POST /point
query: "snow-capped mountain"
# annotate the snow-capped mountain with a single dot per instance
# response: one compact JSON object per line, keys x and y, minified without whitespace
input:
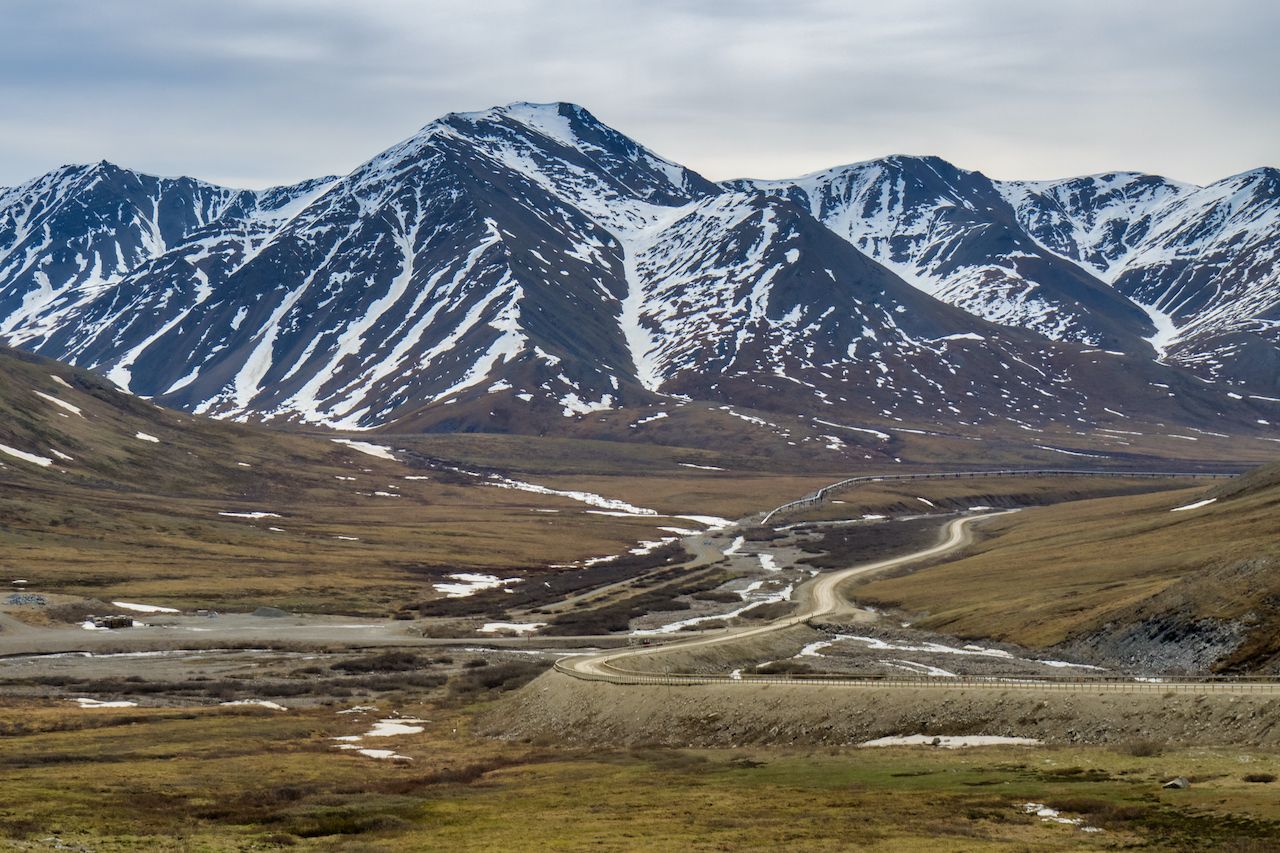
{"x":1108,"y":260}
{"x":1204,"y":262}
{"x":953,"y":235}
{"x":512,"y":268}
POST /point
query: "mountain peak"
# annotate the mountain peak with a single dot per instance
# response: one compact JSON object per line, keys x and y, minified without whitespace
{"x":561,"y":121}
{"x":555,"y":119}
{"x":529,"y":258}
{"x":1268,"y":174}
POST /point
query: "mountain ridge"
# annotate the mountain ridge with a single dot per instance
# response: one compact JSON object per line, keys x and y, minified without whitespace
{"x":531,"y":255}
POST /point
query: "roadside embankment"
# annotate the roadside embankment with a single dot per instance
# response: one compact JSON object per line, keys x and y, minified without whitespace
{"x":561,"y":709}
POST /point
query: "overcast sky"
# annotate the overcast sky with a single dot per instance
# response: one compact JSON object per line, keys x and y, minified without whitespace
{"x":256,"y":92}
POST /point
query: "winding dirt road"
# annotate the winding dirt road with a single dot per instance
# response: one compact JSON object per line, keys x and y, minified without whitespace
{"x":823,"y":599}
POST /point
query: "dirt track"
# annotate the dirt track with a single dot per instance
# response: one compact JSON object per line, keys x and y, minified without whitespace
{"x":581,"y":705}
{"x":822,"y":597}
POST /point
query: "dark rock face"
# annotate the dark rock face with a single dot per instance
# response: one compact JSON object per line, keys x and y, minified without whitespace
{"x":517,"y":267}
{"x":1164,"y":644}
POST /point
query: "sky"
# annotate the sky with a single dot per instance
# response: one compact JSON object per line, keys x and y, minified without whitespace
{"x":257,"y":92}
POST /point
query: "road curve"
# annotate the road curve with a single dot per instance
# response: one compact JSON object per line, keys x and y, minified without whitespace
{"x":822,"y":595}
{"x":824,"y":599}
{"x":822,"y":494}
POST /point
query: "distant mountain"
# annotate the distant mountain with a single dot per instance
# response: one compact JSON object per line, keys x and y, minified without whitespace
{"x":953,"y":235}
{"x":525,"y":267}
{"x":1204,"y":262}
{"x":1108,"y":260}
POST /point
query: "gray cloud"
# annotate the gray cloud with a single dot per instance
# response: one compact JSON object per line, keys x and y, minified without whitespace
{"x":253,"y":92}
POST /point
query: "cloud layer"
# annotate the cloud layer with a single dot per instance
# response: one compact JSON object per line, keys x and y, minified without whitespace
{"x":254,"y":92}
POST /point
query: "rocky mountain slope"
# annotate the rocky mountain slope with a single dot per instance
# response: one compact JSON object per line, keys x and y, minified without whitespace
{"x":527,"y":267}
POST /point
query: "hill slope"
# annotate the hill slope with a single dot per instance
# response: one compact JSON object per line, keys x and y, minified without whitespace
{"x":1184,"y":581}
{"x":104,"y":495}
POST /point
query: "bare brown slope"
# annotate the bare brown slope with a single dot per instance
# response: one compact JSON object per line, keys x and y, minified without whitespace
{"x":130,"y":505}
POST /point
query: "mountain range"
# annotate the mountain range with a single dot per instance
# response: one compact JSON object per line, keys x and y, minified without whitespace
{"x":527,"y":267}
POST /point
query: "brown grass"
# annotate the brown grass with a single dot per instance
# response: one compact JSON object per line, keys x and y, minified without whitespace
{"x":1040,"y":575}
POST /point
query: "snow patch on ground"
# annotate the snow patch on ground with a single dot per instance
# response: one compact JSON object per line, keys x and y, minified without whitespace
{"x":712,"y":522}
{"x":62,"y":404}
{"x":1195,"y":505}
{"x":142,"y":436}
{"x":917,"y":668}
{"x":574,"y":405}
{"x":389,"y":728}
{"x":381,"y":754}
{"x":883,"y":436}
{"x":1072,"y":452}
{"x":42,"y":461}
{"x":657,"y":416}
{"x":1166,"y":330}
{"x":259,"y":703}
{"x":144,"y":608}
{"x":86,"y":702}
{"x":382,"y":728}
{"x":813,"y":649}
{"x":469,"y":583}
{"x":927,"y":647}
{"x":367,"y":448}
{"x":516,"y":627}
{"x":755,"y":595}
{"x":582,"y":497}
{"x":1048,"y":815}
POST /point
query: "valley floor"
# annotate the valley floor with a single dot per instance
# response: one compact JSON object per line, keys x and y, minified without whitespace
{"x":243,"y":777}
{"x":445,"y":729}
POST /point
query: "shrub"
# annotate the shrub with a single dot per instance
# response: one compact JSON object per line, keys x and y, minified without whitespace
{"x":1143,"y":748}
{"x":1100,"y":812}
{"x":718,"y":597}
{"x":385,"y":662}
{"x":495,"y":679}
